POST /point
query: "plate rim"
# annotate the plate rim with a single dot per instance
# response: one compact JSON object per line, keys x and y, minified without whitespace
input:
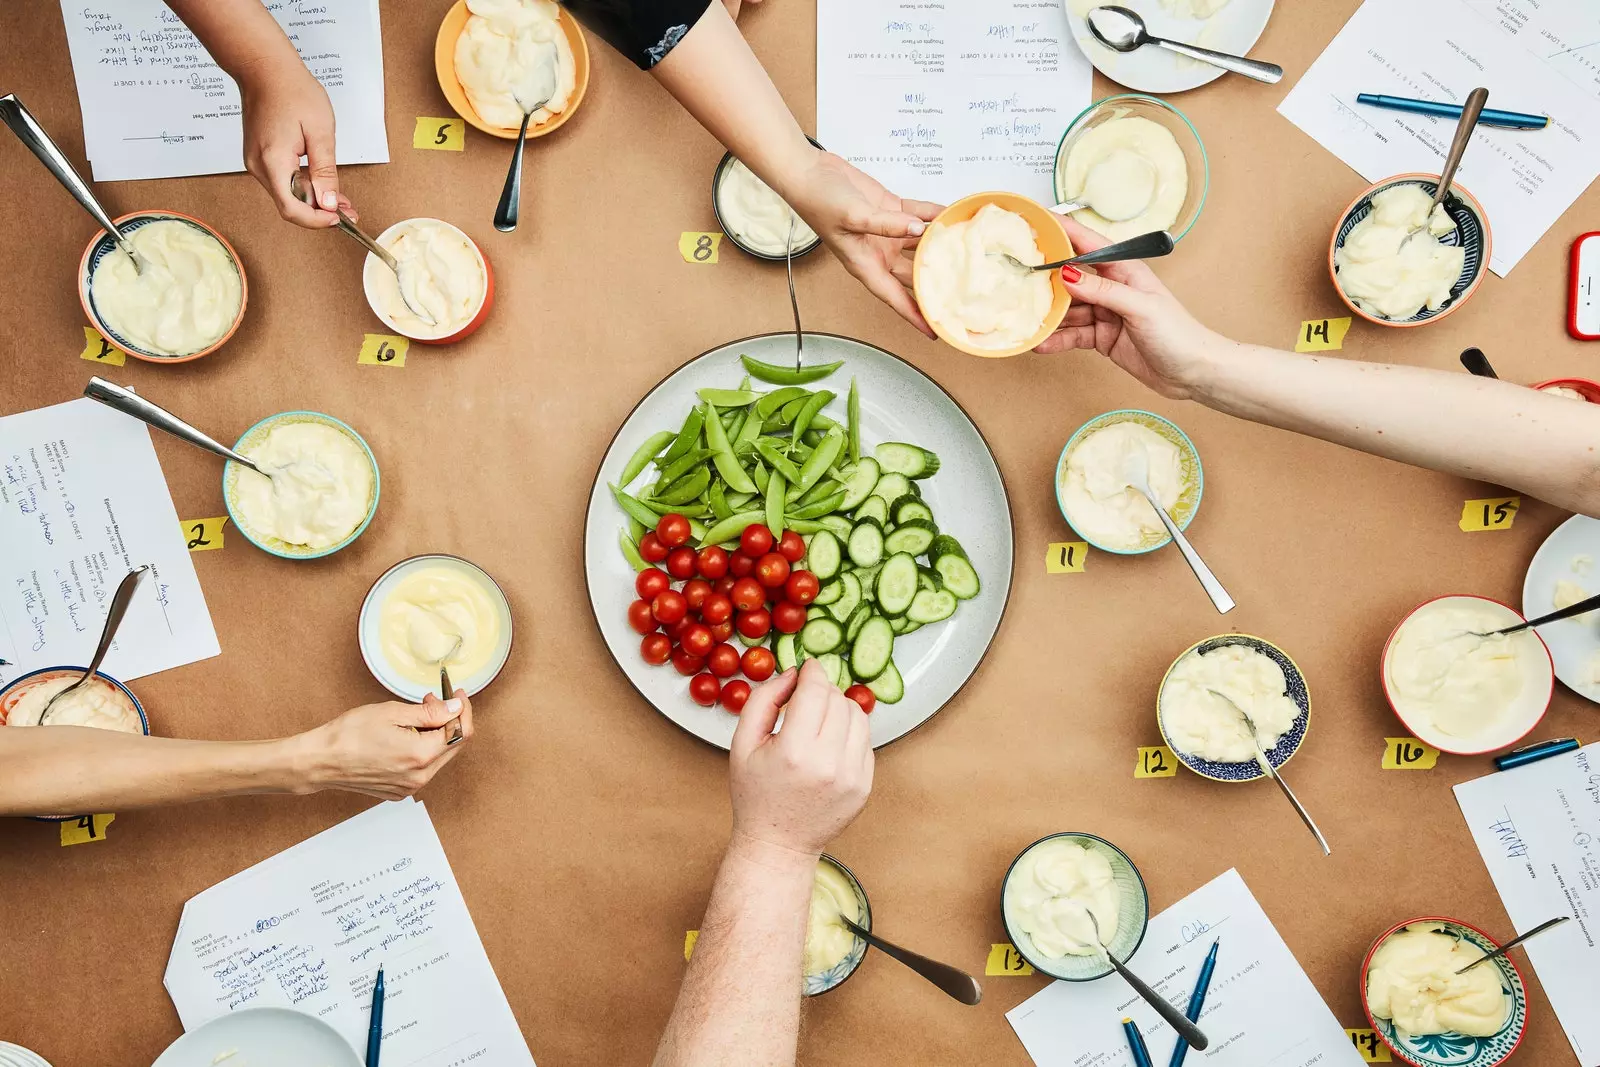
{"x":1527,"y":578}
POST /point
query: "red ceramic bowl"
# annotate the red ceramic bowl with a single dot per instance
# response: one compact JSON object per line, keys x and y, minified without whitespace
{"x":371,"y":267}
{"x":1589,"y":389}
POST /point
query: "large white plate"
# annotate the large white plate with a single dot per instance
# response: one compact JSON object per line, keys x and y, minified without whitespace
{"x":1235,"y":29}
{"x":1573,"y":642}
{"x":898,"y":403}
{"x":261,"y":1037}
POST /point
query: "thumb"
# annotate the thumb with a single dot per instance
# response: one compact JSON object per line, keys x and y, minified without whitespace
{"x":324,"y":171}
{"x":431,"y":714}
{"x":1100,"y":291}
{"x":760,"y":712}
{"x":884,"y":223}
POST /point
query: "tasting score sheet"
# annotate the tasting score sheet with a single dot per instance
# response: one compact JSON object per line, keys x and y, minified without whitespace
{"x":1261,"y":1010}
{"x":937,"y":99}
{"x":308,"y":928}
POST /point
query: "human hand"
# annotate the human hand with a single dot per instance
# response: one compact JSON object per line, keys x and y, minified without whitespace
{"x":1126,"y":313}
{"x":872,"y":231}
{"x":798,"y":788}
{"x":287,"y":115}
{"x":387,"y":750}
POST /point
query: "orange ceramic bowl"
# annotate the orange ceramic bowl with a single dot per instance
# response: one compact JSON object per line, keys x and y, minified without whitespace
{"x":371,"y":267}
{"x":101,"y":243}
{"x":1589,"y":389}
{"x":1053,"y":242}
{"x":444,"y":67}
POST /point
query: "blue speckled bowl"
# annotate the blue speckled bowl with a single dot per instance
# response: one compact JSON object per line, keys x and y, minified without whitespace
{"x":1132,"y":920}
{"x":1194,"y":475}
{"x":817,"y":984}
{"x":1288,"y":744}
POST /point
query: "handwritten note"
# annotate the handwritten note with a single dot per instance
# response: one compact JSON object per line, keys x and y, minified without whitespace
{"x":1155,"y":761}
{"x":1408,"y":754}
{"x":203,"y":535}
{"x":96,"y":349}
{"x":85,"y":828}
{"x":699,"y":247}
{"x":1371,"y":1048}
{"x":1005,"y":961}
{"x":383,"y":350}
{"x":690,"y":939}
{"x":1065,"y":557}
{"x":439,"y":135}
{"x":1322,"y":335}
{"x":1495,"y":513}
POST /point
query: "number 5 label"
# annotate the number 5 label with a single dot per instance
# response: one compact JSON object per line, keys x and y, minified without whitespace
{"x":440,"y":135}
{"x":1496,"y":513}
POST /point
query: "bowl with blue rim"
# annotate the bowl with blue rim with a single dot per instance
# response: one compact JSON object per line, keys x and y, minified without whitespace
{"x":835,"y":976}
{"x":1287,"y":745}
{"x":1182,"y":511}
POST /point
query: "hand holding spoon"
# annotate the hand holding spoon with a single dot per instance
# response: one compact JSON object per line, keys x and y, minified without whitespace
{"x":119,"y":607}
{"x":505,"y":214}
{"x":1122,"y":30}
{"x":1150,"y":245}
{"x":1136,"y":473}
{"x":447,"y":690}
{"x":952,"y":980}
{"x":1272,"y":772}
{"x":1187,"y":1031}
{"x":405,"y":271}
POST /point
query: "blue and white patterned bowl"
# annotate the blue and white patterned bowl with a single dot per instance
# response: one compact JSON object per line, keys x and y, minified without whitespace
{"x":1194,"y":476}
{"x":1288,"y":744}
{"x":1452,"y":1049}
{"x":10,"y":693}
{"x":833,"y":978}
{"x":1133,"y":915}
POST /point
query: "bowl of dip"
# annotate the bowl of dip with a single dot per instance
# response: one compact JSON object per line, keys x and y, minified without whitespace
{"x":755,"y":218}
{"x":324,"y":501}
{"x":1138,"y":162}
{"x":1206,"y":733}
{"x":1571,"y":388}
{"x":1046,"y":891}
{"x":446,"y":274}
{"x":833,"y":953}
{"x":186,"y":303}
{"x":1390,"y":281}
{"x":1459,"y":693}
{"x":1106,"y":512}
{"x":104,"y":704}
{"x":480,"y":56}
{"x":1428,"y":1015}
{"x":412,"y":615}
{"x":975,"y":301}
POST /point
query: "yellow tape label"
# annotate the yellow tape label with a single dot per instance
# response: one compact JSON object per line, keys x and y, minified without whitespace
{"x":1004,"y":959}
{"x":689,"y":940}
{"x":1495,"y":513}
{"x":1371,"y":1048}
{"x":1322,"y":335}
{"x":1408,"y":754}
{"x":85,"y":828}
{"x":699,"y":247}
{"x":97,"y":349}
{"x":1156,"y":761}
{"x":203,"y":535}
{"x":383,"y":350}
{"x":439,"y":134}
{"x":1065,"y":557}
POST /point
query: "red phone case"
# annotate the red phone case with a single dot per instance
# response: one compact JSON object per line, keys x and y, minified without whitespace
{"x":1572,"y":288}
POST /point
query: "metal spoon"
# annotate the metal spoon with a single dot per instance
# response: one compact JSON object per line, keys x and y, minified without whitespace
{"x":505,"y":213}
{"x":1187,"y":1030}
{"x":1458,"y":146}
{"x":119,"y":607}
{"x":952,"y":980}
{"x":1122,"y":30}
{"x":794,"y":305}
{"x":1272,"y":772}
{"x":30,"y":133}
{"x":1136,"y":474}
{"x":1581,"y":607}
{"x":1067,"y":207}
{"x":1150,"y":245}
{"x":1476,"y":362}
{"x":1515,"y":941}
{"x":130,"y":403}
{"x":347,"y":226}
{"x":446,"y":690}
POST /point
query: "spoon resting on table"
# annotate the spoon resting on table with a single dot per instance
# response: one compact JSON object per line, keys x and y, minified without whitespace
{"x":952,"y":980}
{"x":1122,"y":30}
{"x":119,"y":607}
{"x":1187,"y":1030}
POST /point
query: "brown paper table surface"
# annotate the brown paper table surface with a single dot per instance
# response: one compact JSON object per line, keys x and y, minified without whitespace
{"x":584,"y":828}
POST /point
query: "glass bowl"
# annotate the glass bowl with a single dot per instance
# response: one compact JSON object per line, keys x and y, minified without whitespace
{"x":1137,"y":105}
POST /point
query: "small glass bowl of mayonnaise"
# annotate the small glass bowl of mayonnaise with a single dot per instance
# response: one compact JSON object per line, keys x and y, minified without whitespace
{"x":1129,"y":902}
{"x":1143,"y":157}
{"x":124,"y":712}
{"x":755,"y":218}
{"x":414,"y":613}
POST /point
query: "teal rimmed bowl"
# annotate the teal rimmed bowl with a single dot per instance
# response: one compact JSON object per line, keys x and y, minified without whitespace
{"x":1133,"y":914}
{"x":1194,"y":476}
{"x":834,"y":977}
{"x":272,"y":545}
{"x":1138,"y":105}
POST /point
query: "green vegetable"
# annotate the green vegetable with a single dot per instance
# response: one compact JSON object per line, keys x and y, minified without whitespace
{"x":636,"y":511}
{"x":718,"y":500}
{"x":722,"y":454}
{"x":804,"y":526}
{"x":729,"y":398}
{"x":636,"y":529}
{"x":818,"y":462}
{"x":779,"y":462}
{"x":802,"y":421}
{"x":688,"y":488}
{"x":688,"y":436}
{"x":775,"y":504}
{"x":817,"y":509}
{"x":683,"y":465}
{"x":730,"y":528}
{"x":769,"y":404}
{"x":758,"y":474}
{"x":630,"y":552}
{"x":853,"y":412}
{"x":644,"y":454}
{"x":775,"y":375}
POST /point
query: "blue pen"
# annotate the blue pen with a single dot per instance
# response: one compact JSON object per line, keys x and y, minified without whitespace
{"x":375,"y":1028}
{"x":1141,"y":1055}
{"x":1533,"y":753}
{"x":1197,"y":1000}
{"x":1510,"y":120}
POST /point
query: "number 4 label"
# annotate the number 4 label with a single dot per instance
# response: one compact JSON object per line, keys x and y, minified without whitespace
{"x":440,"y":135}
{"x":85,"y":828}
{"x":1496,"y":513}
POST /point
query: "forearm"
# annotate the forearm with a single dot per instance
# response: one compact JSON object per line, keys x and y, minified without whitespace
{"x":241,"y":35}
{"x":740,"y":1001}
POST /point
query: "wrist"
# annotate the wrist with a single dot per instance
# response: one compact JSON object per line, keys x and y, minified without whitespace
{"x":797,"y":172}
{"x":302,"y":763}
{"x":756,"y":851}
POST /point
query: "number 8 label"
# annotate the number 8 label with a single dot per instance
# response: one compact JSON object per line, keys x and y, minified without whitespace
{"x":699,"y":247}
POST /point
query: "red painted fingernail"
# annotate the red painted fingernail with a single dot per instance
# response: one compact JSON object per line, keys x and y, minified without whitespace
{"x":1071,"y":275}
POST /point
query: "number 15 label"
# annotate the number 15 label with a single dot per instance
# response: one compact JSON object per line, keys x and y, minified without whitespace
{"x":1496,"y":513}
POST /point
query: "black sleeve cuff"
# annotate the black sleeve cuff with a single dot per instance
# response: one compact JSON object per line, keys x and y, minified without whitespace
{"x":643,"y":30}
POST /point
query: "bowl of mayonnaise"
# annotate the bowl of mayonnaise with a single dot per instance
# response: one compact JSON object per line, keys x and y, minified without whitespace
{"x":833,"y":952}
{"x":756,"y":219}
{"x":1571,"y":388}
{"x":1137,"y":165}
{"x":491,"y":52}
{"x":185,"y":299}
{"x":434,"y":611}
{"x":104,"y":704}
{"x":1049,"y":893}
{"x":321,"y":495}
{"x":444,"y":273}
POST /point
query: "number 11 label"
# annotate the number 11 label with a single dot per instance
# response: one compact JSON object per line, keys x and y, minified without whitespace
{"x":1065,"y":557}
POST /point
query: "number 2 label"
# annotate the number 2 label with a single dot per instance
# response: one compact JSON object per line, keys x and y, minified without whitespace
{"x":203,"y":535}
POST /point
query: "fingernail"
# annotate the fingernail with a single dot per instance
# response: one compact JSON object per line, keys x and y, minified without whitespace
{"x":916,"y":228}
{"x":1071,"y":275}
{"x":453,"y":705}
{"x":330,"y":199}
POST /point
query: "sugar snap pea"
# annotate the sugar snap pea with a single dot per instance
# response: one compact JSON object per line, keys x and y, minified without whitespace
{"x":819,"y":461}
{"x":804,"y":526}
{"x":634,"y":509}
{"x":749,"y":430}
{"x":775,"y":504}
{"x":735,"y":426}
{"x":687,"y":489}
{"x":729,"y":398}
{"x":779,"y":461}
{"x":853,"y":416}
{"x":644,"y":454}
{"x":726,"y":462}
{"x":802,"y":421}
{"x":819,"y":421}
{"x":636,"y":529}
{"x":717,"y":498}
{"x":737,"y":501}
{"x":825,"y":487}
{"x":630,"y":551}
{"x":758,"y":475}
{"x":688,"y":436}
{"x":819,"y":508}
{"x":775,"y":375}
{"x":683,"y":465}
{"x":771,"y":402}
{"x":730,"y":528}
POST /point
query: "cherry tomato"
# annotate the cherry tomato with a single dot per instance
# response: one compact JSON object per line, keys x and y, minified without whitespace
{"x":704,"y":689}
{"x":650,"y":582}
{"x":748,"y":594}
{"x":802,"y":587}
{"x":723,"y":661}
{"x":734,"y":694}
{"x":685,"y":663}
{"x":791,"y":547}
{"x":673,"y":529}
{"x":669,"y":606}
{"x":713,"y":561}
{"x":724,"y":586}
{"x":716,"y":609}
{"x":680,"y":562}
{"x":695,"y":591}
{"x":651,"y":548}
{"x":772,"y":570}
{"x":641,"y":617}
{"x":755,"y":624}
{"x":740,"y":565}
{"x":863,"y":696}
{"x":722,"y":631}
{"x":756,"y":540}
{"x":697,"y":640}
{"x":656,"y":648}
{"x":758,"y":664}
{"x":788,"y":618}
{"x":675,"y":630}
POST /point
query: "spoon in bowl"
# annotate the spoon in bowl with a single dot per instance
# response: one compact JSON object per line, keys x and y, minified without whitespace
{"x":446,"y":690}
{"x":1515,"y":941}
{"x":1582,"y":607}
{"x":1187,"y":1030}
{"x":1122,"y":30}
{"x":119,"y":607}
{"x":505,"y":213}
{"x":404,"y":269}
{"x":1458,"y":145}
{"x":1150,"y":245}
{"x":130,"y":403}
{"x":952,"y":980}
{"x":1271,"y":772}
{"x":1136,"y":475}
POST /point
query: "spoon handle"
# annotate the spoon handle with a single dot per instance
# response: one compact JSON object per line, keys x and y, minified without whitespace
{"x":505,"y":215}
{"x":1458,"y":146}
{"x":1208,"y":581}
{"x":1187,"y":1030}
{"x":1581,"y":607}
{"x":1305,"y":816}
{"x":119,"y":607}
{"x":130,"y":403}
{"x":1477,"y":363}
{"x":952,"y":980}
{"x":1150,"y":245}
{"x":1515,"y":941}
{"x":30,"y":133}
{"x":1270,"y":73}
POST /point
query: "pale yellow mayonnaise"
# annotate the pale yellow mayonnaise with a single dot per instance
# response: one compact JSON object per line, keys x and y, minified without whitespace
{"x":99,"y":704}
{"x":320,"y":489}
{"x":1206,"y":725}
{"x":504,"y":52}
{"x":756,"y":215}
{"x":1392,"y":264}
{"x":966,"y":288}
{"x":1413,"y":981}
{"x":1131,"y":172}
{"x":1567,"y":593}
{"x":1194,"y":9}
{"x":185,"y":300}
{"x":827,"y":940}
{"x":1563,"y":390}
{"x":441,"y":271}
{"x":426,"y":611}
{"x":1050,"y":893}
{"x":1098,"y":500}
{"x":1463,"y":686}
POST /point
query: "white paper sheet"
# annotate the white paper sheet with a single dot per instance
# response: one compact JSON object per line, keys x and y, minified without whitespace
{"x":83,"y":502}
{"x":308,"y":928}
{"x":1261,"y":1009}
{"x":938,"y":99}
{"x":156,"y":106}
{"x":1530,"y":54}
{"x":1538,"y":828}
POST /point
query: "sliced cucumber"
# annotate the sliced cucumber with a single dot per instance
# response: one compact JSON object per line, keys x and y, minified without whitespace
{"x":897,"y":584}
{"x":912,"y":537}
{"x":824,"y":635}
{"x":866,"y":544}
{"x":823,"y":557}
{"x":902,"y":626}
{"x":751,"y":642}
{"x":910,"y":507}
{"x":839,"y":525}
{"x":929,"y":606}
{"x":913,"y":462}
{"x":858,"y":619}
{"x":868,"y":577}
{"x":859,"y":481}
{"x":785,"y":652}
{"x":871,"y":651}
{"x":830,"y":591}
{"x":875,"y":508}
{"x":929,"y":580}
{"x":892,"y":487}
{"x":833,"y":666}
{"x":849,"y":597}
{"x":888,"y":687}
{"x":817,"y":612}
{"x":950,"y":563}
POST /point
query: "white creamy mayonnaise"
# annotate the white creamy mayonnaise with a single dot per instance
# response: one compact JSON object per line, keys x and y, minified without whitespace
{"x":828,"y":942}
{"x":1391,"y":263}
{"x":185,"y":300}
{"x":424,"y":613}
{"x":320,"y":489}
{"x":1194,"y":9}
{"x":98,"y":704}
{"x":1131,"y":173}
{"x":1564,"y":390}
{"x":968,"y":290}
{"x":1098,"y":501}
{"x":510,"y":49}
{"x":1465,"y":687}
{"x":1205,"y":725}
{"x":1412,"y":980}
{"x":755,"y":215}
{"x":442,"y":274}
{"x":1050,"y":893}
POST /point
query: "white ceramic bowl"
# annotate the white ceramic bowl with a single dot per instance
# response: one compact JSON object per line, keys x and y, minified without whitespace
{"x":373,"y":268}
{"x":367,"y":629}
